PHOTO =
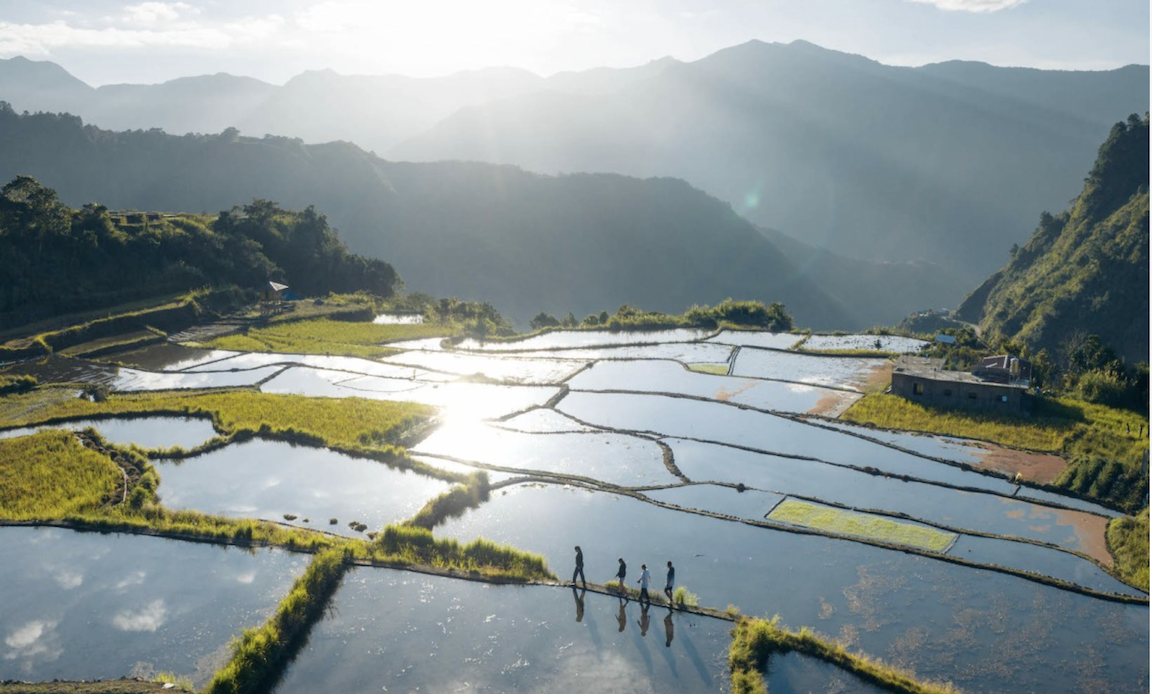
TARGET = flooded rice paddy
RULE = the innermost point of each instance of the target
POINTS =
(984, 630)
(742, 338)
(879, 343)
(631, 455)
(298, 485)
(393, 631)
(146, 432)
(88, 605)
(852, 373)
(568, 339)
(672, 377)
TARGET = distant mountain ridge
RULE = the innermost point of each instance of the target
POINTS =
(938, 167)
(374, 111)
(942, 163)
(526, 242)
(1085, 270)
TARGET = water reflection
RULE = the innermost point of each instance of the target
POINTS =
(391, 631)
(146, 432)
(946, 621)
(655, 376)
(567, 339)
(722, 423)
(84, 606)
(268, 479)
(578, 596)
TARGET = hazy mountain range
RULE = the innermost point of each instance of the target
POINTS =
(847, 167)
(526, 242)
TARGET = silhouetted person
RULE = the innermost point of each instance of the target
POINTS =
(670, 583)
(645, 577)
(668, 629)
(644, 620)
(579, 568)
(622, 618)
(620, 574)
(579, 598)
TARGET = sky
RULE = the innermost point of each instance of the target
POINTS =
(109, 42)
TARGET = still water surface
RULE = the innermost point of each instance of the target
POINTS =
(87, 605)
(396, 632)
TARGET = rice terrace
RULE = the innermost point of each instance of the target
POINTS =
(360, 496)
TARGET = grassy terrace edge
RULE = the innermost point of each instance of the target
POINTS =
(754, 640)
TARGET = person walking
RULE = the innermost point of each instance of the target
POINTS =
(620, 574)
(579, 568)
(670, 583)
(645, 577)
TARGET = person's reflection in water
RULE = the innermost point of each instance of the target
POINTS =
(579, 598)
(622, 618)
(668, 629)
(644, 620)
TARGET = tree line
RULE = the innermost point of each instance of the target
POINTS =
(54, 259)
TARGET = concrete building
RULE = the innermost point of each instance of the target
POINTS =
(998, 385)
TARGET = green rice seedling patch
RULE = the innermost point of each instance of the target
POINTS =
(326, 336)
(51, 474)
(1128, 540)
(864, 525)
(717, 369)
(349, 423)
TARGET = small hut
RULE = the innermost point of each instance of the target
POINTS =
(272, 291)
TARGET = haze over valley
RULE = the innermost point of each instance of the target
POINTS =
(542, 346)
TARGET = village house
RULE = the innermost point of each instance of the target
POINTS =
(997, 383)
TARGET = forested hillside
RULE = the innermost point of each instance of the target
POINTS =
(54, 259)
(525, 242)
(1085, 270)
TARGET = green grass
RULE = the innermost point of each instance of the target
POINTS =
(865, 525)
(895, 412)
(326, 336)
(259, 653)
(16, 384)
(347, 423)
(718, 369)
(1128, 540)
(414, 545)
(755, 640)
(452, 503)
(1103, 445)
(51, 474)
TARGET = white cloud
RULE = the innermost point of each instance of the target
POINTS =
(69, 579)
(971, 5)
(153, 13)
(36, 639)
(148, 618)
(43, 39)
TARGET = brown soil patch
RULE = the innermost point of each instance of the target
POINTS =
(1041, 468)
(724, 394)
(1089, 530)
(879, 379)
(834, 404)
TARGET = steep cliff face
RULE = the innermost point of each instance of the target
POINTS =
(1086, 269)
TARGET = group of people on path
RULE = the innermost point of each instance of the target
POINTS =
(622, 574)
